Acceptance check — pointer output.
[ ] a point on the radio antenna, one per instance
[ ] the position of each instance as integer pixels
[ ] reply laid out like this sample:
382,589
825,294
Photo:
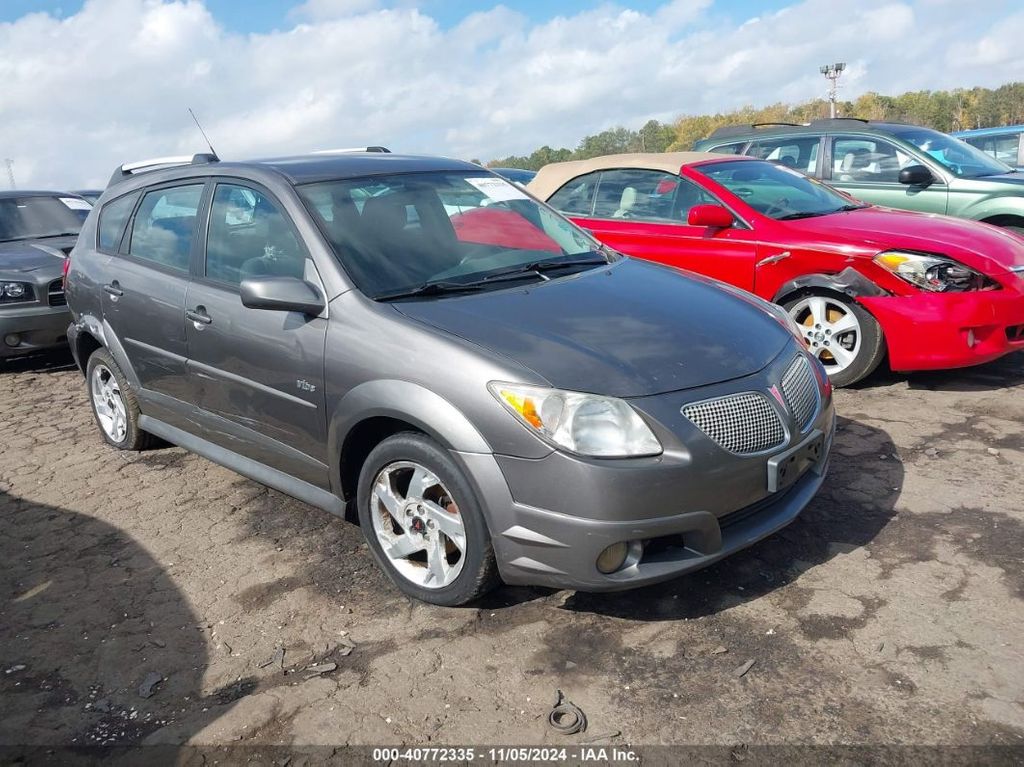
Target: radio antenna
207,138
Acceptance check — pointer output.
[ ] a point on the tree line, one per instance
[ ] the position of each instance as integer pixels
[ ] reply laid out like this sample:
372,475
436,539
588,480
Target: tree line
959,109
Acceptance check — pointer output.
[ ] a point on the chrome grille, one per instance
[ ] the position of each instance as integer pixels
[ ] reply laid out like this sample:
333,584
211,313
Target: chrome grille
55,294
801,391
740,423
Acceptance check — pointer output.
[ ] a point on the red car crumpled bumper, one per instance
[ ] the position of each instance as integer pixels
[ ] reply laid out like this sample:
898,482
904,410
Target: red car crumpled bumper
950,330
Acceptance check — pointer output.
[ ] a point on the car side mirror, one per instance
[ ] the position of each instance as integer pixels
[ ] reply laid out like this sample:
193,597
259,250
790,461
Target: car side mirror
916,175
283,294
711,216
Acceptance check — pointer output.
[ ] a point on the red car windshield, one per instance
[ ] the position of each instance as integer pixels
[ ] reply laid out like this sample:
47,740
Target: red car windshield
775,190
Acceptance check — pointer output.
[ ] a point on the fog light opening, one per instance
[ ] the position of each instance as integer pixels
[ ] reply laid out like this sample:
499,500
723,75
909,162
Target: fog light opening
12,339
971,340
618,556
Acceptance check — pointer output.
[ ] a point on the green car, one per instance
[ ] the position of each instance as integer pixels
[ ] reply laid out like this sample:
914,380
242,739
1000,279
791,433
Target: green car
899,166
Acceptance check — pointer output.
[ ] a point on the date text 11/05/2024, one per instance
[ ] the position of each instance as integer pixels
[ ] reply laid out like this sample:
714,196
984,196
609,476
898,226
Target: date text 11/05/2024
499,754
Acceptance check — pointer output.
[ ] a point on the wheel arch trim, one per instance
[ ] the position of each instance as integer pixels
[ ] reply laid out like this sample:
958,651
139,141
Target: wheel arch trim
402,401
848,282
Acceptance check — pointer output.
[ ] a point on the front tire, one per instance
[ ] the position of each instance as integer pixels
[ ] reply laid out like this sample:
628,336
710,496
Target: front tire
114,404
843,335
423,523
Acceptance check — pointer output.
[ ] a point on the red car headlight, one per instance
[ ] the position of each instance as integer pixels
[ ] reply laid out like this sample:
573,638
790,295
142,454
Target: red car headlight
936,274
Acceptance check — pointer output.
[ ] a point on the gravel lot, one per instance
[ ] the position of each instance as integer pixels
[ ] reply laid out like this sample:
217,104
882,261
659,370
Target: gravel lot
891,612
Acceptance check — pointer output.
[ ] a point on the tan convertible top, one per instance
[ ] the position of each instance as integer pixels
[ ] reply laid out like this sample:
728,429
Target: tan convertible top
553,177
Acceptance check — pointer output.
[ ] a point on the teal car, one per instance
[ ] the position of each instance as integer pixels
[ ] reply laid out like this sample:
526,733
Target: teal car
890,164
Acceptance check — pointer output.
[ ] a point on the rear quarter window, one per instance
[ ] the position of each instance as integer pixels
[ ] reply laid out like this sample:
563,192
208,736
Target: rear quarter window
112,220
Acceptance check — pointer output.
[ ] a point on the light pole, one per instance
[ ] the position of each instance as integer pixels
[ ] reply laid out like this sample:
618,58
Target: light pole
832,73
10,171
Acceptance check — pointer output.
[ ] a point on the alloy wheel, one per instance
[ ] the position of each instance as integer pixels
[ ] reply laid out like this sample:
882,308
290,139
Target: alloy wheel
108,404
831,329
418,524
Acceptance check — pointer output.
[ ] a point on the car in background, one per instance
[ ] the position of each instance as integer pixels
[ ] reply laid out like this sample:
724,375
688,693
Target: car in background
37,231
92,195
1006,143
518,175
900,166
859,280
514,403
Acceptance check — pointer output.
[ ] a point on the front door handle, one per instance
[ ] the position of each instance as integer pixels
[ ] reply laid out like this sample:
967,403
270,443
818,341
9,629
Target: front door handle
198,316
114,289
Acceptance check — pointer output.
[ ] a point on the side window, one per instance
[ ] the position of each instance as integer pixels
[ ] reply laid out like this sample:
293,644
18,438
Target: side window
164,224
576,197
112,220
868,160
734,148
797,152
249,236
646,195
1005,148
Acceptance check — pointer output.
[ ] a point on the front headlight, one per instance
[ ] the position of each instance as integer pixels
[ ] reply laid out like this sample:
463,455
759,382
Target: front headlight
587,424
15,291
936,274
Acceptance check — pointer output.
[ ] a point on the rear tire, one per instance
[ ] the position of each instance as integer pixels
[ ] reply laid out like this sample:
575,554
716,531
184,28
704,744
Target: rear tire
841,333
114,404
423,523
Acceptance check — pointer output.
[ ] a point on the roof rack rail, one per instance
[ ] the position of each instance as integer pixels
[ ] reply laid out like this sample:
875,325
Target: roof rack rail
827,121
156,163
739,130
353,149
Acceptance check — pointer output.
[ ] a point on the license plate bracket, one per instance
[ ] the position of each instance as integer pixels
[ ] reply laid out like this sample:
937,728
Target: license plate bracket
786,468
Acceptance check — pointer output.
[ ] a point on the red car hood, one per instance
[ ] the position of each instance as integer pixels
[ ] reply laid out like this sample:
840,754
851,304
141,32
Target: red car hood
981,246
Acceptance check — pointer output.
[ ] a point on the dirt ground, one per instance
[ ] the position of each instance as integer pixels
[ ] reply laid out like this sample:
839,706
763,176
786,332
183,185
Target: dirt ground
890,612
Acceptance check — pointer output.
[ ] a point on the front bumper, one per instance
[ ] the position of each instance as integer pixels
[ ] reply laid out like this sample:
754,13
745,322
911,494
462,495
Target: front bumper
952,330
36,328
550,518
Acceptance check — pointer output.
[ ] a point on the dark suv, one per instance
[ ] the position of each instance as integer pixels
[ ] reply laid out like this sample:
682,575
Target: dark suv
899,166
493,391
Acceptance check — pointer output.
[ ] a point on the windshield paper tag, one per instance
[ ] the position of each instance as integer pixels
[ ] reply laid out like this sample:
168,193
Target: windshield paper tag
498,189
76,204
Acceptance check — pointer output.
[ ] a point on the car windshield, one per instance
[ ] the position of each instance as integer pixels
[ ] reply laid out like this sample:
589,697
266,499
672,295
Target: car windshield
38,216
775,190
404,232
958,157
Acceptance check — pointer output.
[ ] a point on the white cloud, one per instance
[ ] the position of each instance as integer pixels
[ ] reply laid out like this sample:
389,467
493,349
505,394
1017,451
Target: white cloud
112,83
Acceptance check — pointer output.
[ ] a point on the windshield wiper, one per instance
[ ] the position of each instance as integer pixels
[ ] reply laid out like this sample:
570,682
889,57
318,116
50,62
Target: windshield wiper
546,265
816,213
432,289
40,236
516,273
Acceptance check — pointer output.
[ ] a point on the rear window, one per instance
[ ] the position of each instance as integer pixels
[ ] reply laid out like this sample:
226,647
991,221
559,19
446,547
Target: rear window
165,224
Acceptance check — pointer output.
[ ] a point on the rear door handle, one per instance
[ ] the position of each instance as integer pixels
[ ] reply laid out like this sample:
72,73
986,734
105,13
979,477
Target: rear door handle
198,316
114,289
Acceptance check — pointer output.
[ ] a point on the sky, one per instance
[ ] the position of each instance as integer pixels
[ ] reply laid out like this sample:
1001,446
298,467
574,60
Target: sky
88,84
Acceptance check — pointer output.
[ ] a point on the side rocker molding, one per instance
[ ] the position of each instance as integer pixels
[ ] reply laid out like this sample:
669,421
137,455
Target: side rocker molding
849,282
247,467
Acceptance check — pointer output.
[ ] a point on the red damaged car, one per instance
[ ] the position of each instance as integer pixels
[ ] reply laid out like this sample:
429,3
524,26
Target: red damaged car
863,282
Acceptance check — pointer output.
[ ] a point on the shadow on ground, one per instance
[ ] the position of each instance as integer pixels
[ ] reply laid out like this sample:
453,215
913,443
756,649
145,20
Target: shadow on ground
98,647
1007,372
41,362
